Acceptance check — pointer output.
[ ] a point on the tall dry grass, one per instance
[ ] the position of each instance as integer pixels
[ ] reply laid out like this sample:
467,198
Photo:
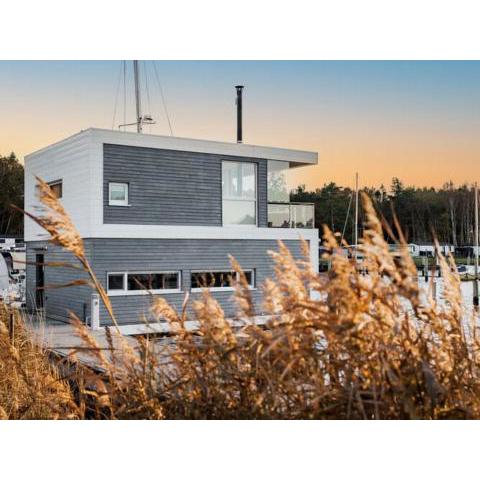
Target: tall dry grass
31,387
362,347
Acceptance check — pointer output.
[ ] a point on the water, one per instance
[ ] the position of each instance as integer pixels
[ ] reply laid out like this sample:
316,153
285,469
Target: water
465,287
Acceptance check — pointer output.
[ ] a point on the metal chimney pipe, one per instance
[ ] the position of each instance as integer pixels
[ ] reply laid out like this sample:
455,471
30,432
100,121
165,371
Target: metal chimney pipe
239,113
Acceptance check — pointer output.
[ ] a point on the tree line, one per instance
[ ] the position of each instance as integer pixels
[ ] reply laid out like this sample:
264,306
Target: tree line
11,192
446,212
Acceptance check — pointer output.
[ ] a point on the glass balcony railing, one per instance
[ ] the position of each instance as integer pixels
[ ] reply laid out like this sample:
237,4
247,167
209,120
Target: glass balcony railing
291,215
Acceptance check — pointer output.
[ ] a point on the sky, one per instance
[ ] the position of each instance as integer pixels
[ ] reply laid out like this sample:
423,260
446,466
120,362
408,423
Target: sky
419,121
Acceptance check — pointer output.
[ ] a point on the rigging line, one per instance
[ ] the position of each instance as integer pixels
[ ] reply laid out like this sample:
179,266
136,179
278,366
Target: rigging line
346,219
116,97
145,74
163,97
124,93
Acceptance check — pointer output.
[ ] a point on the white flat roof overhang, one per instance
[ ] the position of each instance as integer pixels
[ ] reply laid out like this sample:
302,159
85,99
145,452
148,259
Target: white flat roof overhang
295,157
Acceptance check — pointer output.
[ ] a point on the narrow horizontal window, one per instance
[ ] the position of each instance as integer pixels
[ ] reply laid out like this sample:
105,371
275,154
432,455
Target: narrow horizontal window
137,283
219,280
57,188
212,279
153,281
118,194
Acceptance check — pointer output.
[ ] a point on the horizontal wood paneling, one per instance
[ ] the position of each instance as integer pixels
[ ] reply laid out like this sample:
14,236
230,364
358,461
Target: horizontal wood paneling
71,163
59,301
108,255
168,187
184,255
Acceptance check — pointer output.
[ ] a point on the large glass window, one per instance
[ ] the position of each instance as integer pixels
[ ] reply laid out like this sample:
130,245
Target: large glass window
239,193
277,187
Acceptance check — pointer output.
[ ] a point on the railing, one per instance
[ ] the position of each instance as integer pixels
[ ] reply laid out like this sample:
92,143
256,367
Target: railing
291,215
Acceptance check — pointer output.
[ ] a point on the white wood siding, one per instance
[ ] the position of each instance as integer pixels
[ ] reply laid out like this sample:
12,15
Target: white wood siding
71,161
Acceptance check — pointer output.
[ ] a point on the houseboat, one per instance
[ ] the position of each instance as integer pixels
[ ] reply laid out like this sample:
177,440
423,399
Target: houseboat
160,215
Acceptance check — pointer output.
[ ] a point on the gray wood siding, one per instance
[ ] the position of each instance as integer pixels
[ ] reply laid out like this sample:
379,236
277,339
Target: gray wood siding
183,255
114,255
58,301
168,187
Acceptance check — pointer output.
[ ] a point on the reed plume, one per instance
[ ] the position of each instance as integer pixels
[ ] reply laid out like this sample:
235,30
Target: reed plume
362,341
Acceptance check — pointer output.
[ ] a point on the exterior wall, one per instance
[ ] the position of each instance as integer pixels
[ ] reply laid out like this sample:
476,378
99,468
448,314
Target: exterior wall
117,255
78,161
71,162
167,231
58,301
114,255
168,187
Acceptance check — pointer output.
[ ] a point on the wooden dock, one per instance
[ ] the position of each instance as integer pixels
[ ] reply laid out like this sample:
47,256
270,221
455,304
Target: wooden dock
62,340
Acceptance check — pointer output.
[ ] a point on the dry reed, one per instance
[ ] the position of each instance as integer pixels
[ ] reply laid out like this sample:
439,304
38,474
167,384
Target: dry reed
337,346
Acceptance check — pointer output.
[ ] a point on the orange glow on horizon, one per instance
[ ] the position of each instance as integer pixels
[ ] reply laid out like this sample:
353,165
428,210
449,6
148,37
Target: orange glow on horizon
417,121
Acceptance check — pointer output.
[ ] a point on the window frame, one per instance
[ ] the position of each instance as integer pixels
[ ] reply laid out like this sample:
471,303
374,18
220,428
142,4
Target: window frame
119,203
244,200
126,292
222,289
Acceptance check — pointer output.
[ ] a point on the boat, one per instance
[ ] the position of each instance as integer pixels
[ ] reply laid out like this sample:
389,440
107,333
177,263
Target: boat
12,278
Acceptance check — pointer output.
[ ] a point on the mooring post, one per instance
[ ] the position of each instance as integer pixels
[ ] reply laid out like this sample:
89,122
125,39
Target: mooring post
95,312
434,280
475,292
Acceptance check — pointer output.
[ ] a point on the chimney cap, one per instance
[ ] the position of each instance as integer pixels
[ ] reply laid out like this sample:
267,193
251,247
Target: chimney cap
239,86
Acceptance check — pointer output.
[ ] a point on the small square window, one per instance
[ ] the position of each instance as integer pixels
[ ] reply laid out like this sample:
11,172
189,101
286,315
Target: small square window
57,188
116,281
118,194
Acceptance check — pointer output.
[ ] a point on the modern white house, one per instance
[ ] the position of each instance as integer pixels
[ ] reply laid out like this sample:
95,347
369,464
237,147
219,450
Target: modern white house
159,215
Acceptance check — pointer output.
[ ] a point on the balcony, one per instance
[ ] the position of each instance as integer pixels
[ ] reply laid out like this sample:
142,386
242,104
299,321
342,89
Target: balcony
291,215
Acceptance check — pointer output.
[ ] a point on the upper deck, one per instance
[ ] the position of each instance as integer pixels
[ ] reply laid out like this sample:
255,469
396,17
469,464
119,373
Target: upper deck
113,182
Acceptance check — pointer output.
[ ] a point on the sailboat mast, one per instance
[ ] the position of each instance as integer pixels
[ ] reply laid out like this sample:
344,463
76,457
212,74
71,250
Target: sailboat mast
475,281
356,214
138,101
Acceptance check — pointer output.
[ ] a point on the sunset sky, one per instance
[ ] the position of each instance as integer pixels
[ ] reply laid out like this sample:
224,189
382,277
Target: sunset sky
419,121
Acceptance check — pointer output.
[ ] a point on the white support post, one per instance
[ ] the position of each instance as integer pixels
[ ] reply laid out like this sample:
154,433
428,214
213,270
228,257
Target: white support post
95,312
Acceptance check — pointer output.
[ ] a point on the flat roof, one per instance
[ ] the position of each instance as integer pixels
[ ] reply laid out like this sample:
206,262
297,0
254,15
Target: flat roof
299,157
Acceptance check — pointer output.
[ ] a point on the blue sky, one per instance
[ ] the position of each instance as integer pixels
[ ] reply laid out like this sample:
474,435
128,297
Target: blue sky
416,120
